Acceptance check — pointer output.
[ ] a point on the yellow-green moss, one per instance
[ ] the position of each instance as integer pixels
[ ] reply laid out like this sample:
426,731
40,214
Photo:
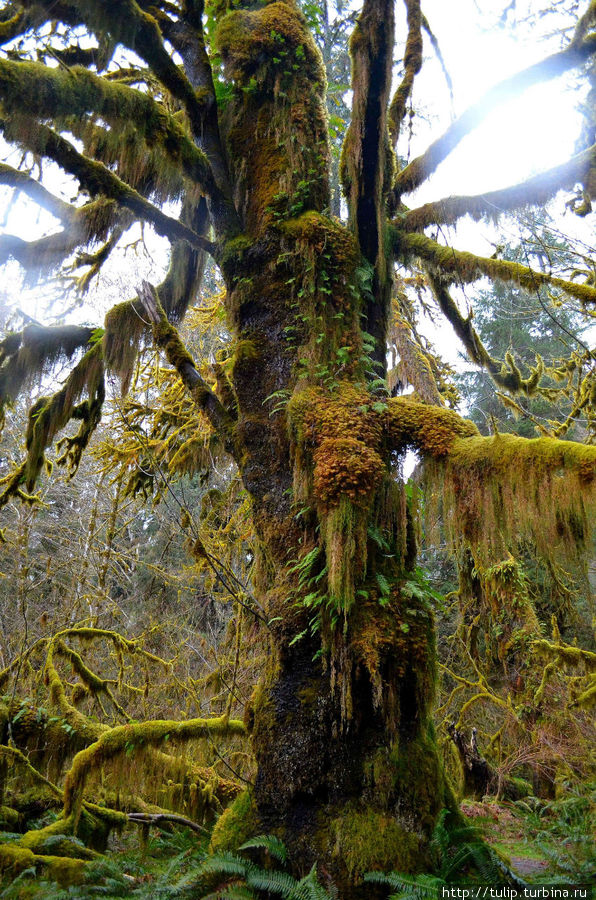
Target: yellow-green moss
494,488
371,841
235,825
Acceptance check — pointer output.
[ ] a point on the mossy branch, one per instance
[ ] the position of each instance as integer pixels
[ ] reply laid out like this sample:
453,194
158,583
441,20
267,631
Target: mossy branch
167,339
32,352
537,190
15,755
504,373
97,179
23,182
493,491
423,166
115,741
461,267
58,93
412,65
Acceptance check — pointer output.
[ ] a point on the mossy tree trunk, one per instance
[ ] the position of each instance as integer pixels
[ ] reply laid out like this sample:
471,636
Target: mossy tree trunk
348,771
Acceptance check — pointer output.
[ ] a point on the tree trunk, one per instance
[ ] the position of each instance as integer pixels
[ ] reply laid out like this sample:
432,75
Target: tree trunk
348,770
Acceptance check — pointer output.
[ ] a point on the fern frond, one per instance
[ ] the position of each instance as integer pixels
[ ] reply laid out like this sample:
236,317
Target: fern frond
225,864
409,887
308,888
272,882
273,845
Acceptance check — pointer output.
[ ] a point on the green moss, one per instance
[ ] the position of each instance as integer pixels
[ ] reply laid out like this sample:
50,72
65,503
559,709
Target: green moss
235,825
9,818
493,488
371,841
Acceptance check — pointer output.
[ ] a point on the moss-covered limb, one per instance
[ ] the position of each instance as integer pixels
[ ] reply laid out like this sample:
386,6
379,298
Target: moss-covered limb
504,373
430,429
167,338
17,756
91,222
461,267
97,179
534,191
23,182
412,64
585,23
58,93
423,166
137,29
13,27
566,653
32,352
115,741
187,37
92,682
85,728
64,870
142,818
494,491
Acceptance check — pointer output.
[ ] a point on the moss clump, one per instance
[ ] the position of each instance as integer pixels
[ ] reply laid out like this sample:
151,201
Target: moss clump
430,429
247,37
66,871
235,825
368,841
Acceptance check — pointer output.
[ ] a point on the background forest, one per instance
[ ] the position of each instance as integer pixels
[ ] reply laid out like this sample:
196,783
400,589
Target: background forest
144,623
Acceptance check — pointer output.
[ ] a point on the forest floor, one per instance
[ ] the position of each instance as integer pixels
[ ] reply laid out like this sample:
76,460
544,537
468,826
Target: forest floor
544,842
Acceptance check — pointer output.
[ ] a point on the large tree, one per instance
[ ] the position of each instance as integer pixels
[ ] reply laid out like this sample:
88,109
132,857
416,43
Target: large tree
222,108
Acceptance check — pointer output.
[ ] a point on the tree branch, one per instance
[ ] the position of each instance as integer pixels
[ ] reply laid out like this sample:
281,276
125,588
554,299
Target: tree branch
505,374
97,179
115,741
458,266
536,190
59,94
168,340
412,65
423,166
20,181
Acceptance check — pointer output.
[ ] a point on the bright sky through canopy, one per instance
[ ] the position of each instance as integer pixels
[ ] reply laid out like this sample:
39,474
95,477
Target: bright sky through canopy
525,136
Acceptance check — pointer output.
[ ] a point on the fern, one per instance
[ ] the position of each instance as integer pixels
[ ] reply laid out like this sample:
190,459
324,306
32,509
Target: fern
274,847
457,852
248,881
408,887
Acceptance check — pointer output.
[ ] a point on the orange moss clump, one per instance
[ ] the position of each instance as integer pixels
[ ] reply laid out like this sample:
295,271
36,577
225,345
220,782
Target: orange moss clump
345,466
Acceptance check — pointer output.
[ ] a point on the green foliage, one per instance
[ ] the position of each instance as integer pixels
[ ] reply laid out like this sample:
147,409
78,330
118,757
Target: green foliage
458,853
241,878
564,830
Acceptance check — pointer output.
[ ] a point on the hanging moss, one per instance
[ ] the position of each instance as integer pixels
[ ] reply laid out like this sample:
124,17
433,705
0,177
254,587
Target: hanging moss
495,490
